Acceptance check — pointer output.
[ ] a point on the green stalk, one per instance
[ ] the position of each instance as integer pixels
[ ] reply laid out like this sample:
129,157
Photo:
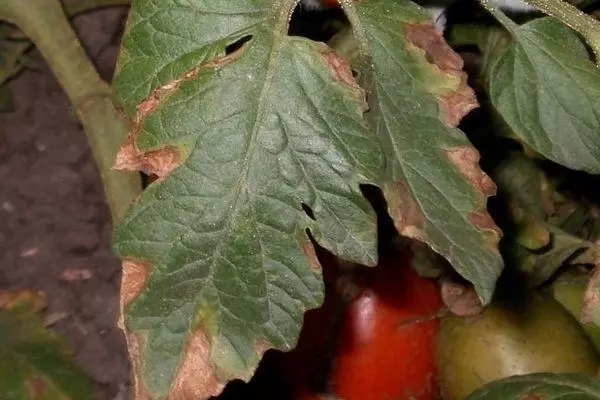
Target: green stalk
45,23
506,22
74,7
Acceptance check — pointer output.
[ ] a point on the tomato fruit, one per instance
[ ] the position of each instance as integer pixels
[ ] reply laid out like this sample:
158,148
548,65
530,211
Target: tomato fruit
514,336
387,343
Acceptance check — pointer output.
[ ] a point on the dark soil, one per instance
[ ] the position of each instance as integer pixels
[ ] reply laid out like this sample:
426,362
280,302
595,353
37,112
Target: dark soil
54,224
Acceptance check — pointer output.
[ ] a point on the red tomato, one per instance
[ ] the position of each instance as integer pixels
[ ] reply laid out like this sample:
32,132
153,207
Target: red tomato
387,344
330,3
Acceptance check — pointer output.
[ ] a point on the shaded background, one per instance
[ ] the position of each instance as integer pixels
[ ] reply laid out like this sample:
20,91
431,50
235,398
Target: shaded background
54,225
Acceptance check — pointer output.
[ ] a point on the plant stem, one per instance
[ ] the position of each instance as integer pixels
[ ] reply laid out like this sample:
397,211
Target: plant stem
73,7
45,23
506,22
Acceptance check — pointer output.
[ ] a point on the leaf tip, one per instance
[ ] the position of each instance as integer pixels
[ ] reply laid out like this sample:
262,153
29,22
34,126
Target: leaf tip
404,210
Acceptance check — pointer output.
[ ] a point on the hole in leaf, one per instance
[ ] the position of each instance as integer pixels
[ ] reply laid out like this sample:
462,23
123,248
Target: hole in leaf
147,179
314,21
233,47
308,211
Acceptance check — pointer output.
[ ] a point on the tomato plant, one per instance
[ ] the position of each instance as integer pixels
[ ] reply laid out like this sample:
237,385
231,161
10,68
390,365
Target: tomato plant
262,143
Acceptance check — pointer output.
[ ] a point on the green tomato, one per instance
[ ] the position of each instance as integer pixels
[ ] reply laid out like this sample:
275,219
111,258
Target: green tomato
533,334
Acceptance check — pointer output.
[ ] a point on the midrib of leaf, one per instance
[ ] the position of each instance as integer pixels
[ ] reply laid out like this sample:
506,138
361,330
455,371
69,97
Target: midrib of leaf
279,34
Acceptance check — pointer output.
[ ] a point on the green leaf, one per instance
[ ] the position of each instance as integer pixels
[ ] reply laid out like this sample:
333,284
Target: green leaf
548,91
34,363
417,91
541,386
215,249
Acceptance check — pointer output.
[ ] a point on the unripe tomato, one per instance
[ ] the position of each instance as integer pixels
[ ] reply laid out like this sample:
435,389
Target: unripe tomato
387,345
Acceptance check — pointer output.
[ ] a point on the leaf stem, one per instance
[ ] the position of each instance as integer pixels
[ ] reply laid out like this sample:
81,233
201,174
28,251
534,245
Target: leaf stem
45,23
74,7
574,18
506,22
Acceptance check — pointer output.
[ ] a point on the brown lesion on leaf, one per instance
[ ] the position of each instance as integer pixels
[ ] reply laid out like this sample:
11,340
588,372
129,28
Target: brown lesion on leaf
308,248
140,392
133,279
466,161
403,208
160,162
196,376
224,59
455,105
134,274
427,37
483,220
262,346
460,298
36,388
340,70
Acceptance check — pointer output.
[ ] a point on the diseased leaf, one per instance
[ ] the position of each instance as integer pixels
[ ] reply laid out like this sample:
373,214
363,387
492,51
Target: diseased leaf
417,92
34,363
548,91
244,125
541,386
